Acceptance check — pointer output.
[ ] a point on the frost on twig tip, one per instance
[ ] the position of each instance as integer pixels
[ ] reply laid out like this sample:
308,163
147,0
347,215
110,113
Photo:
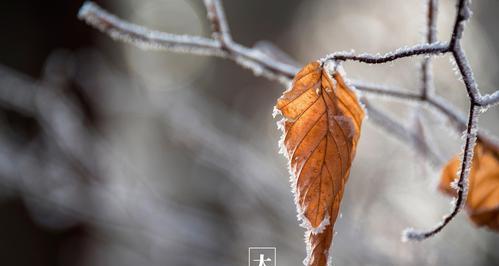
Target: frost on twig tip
411,234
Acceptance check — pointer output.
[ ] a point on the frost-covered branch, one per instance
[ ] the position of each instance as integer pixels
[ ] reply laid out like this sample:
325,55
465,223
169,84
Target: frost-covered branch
145,38
433,47
431,37
419,49
463,13
489,99
222,46
462,182
219,25
261,63
149,39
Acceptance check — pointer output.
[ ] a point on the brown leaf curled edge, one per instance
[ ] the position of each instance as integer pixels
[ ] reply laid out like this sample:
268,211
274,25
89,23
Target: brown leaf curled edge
482,204
321,126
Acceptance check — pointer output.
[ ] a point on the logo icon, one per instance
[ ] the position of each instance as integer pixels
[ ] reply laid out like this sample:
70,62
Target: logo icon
262,256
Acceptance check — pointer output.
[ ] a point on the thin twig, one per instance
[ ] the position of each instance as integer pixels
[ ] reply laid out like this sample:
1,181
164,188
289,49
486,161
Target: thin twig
489,100
462,183
431,37
434,101
258,62
145,38
463,14
219,24
435,48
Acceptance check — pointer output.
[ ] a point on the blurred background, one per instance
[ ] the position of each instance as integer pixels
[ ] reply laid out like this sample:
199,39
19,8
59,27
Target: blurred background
112,155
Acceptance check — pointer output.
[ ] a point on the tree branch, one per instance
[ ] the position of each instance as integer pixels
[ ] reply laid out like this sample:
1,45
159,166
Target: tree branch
431,37
463,14
439,104
222,45
462,183
219,25
419,49
489,100
145,38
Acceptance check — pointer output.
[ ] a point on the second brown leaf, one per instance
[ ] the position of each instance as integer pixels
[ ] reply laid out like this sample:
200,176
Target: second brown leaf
483,194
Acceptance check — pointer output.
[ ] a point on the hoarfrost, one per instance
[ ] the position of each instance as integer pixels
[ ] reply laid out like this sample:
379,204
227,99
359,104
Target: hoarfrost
489,100
145,38
309,251
276,112
329,260
319,229
424,48
454,183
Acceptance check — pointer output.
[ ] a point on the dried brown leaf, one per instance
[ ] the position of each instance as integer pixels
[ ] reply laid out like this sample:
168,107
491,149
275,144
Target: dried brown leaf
321,127
483,195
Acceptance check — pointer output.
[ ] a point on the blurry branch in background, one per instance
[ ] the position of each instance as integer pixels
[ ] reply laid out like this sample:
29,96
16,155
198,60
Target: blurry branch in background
60,152
66,189
59,119
260,63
